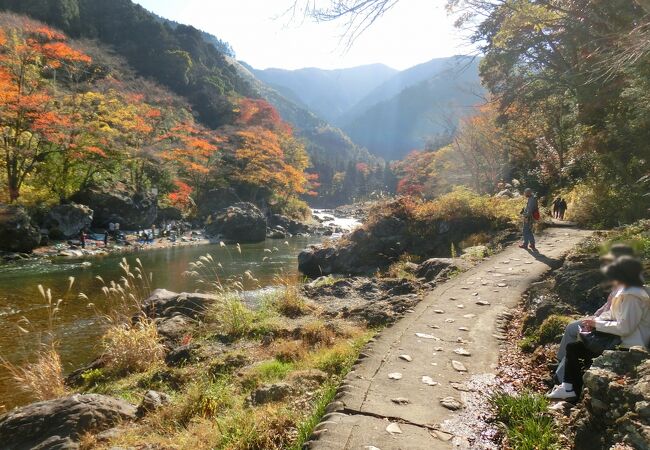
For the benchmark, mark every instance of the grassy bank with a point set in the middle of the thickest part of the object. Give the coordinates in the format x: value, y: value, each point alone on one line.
x: 257, y: 378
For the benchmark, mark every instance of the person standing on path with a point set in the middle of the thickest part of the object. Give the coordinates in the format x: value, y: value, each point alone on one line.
x: 556, y: 207
x: 529, y: 214
x: 562, y: 207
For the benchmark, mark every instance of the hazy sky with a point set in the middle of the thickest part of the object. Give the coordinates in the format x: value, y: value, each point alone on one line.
x: 413, y: 32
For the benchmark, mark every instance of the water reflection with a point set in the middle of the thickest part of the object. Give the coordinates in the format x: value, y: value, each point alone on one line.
x: 78, y: 329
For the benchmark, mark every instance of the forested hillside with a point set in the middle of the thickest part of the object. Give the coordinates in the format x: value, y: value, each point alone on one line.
x: 175, y: 56
x: 76, y: 117
x: 191, y: 63
x: 346, y: 171
x: 567, y: 113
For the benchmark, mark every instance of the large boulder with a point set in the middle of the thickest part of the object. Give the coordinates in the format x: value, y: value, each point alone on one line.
x: 241, y: 222
x: 383, y: 240
x: 17, y: 234
x: 278, y: 221
x: 119, y: 204
x: 169, y: 213
x: 216, y: 200
x: 66, y: 221
x: 166, y: 304
x: 616, y: 402
x: 59, y: 424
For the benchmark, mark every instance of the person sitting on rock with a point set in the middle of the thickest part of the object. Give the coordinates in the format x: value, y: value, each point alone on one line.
x: 571, y: 331
x: 628, y: 319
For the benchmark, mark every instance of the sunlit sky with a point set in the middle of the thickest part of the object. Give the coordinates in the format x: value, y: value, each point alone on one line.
x: 414, y: 31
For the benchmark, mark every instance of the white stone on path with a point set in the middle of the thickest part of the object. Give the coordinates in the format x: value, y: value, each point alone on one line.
x: 426, y: 336
x: 451, y: 403
x: 458, y: 366
x: 483, y: 303
x: 406, y: 358
x: 438, y: 311
x: 460, y: 306
x: 395, y: 376
x: 428, y: 381
x: 394, y: 428
x: 469, y: 316
x: 462, y: 352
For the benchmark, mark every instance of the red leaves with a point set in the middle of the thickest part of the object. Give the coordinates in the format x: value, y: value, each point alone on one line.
x: 180, y: 198
x: 260, y: 113
x: 59, y: 52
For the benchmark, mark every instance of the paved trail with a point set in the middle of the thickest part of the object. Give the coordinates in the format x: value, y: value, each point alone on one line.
x: 393, y: 399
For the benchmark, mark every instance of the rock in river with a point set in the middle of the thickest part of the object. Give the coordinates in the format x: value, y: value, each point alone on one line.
x: 132, y: 210
x: 58, y: 424
x: 241, y: 222
x: 66, y: 221
x: 17, y: 234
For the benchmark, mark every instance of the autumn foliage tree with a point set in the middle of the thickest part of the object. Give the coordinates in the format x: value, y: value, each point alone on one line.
x: 69, y: 122
x: 32, y: 124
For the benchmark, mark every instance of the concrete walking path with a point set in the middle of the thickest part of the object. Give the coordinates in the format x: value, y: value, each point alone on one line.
x: 413, y: 378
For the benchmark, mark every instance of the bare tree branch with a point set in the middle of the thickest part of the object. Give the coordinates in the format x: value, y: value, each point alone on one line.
x: 359, y: 15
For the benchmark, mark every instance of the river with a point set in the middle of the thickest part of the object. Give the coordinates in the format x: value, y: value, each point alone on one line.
x: 78, y: 329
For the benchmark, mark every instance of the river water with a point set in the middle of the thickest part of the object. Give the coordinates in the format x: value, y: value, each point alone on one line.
x: 78, y: 329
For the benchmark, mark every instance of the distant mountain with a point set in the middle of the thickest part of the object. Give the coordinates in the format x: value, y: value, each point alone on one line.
x: 326, y: 144
x: 398, y: 82
x: 328, y: 93
x: 387, y: 111
x: 417, y: 104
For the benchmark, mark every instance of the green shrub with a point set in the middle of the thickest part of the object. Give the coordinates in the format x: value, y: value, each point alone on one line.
x: 271, y: 370
x: 550, y: 331
x: 232, y: 317
x: 527, y: 424
x: 598, y: 204
x: 205, y: 399
x: 93, y: 377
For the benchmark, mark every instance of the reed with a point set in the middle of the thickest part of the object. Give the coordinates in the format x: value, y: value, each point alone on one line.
x: 41, y: 376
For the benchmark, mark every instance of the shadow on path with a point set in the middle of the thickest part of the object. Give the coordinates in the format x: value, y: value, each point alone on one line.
x: 553, y: 263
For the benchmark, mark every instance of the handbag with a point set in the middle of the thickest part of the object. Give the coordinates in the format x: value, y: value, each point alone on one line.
x: 597, y: 341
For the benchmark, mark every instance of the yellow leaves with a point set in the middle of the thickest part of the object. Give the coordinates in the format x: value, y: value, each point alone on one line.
x: 521, y: 18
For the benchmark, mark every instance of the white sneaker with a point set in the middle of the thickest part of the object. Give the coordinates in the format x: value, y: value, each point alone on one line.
x: 559, y: 393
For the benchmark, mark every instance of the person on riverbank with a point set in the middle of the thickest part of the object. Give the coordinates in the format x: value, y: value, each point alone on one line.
x: 573, y: 329
x: 82, y: 238
x: 627, y: 323
x: 529, y: 214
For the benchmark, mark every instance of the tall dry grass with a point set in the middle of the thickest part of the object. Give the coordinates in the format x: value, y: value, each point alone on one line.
x: 131, y: 342
x: 42, y: 375
x: 132, y: 347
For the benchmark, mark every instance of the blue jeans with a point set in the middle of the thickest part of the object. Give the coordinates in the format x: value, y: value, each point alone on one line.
x: 528, y: 233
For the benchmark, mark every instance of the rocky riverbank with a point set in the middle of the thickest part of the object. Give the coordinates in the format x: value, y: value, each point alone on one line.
x: 281, y: 353
x: 58, y: 235
x: 613, y: 411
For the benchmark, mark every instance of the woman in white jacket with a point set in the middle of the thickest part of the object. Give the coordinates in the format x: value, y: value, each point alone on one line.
x: 628, y: 318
